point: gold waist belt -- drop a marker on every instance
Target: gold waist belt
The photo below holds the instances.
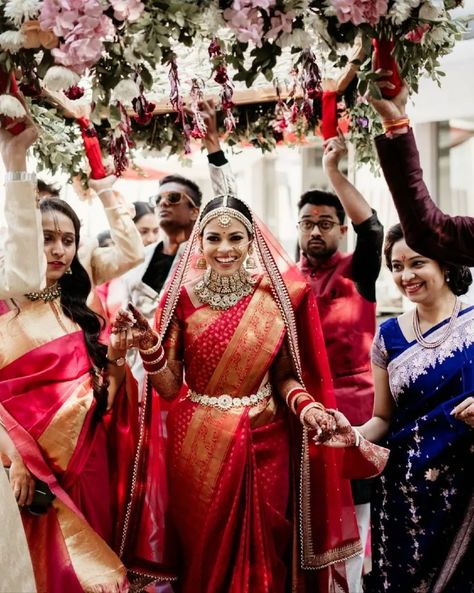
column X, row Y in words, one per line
column 226, row 402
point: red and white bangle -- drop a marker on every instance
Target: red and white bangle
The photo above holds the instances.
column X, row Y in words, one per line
column 293, row 395
column 157, row 371
column 306, row 405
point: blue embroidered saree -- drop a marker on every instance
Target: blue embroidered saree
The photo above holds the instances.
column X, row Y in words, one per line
column 423, row 507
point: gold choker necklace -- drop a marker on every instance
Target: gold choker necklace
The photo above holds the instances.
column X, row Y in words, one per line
column 48, row 294
column 222, row 292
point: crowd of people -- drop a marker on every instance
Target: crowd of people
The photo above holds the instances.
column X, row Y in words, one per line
column 183, row 408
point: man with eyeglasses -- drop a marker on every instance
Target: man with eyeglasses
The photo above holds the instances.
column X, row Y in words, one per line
column 344, row 285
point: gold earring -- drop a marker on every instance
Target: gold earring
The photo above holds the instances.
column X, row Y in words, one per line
column 68, row 271
column 201, row 263
column 250, row 264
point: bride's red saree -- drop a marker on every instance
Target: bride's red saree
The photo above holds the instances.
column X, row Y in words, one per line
column 254, row 506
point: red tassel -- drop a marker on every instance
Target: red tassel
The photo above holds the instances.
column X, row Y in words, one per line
column 8, row 80
column 384, row 59
column 329, row 122
column 92, row 148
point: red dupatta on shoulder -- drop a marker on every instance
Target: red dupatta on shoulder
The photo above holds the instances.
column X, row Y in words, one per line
column 327, row 530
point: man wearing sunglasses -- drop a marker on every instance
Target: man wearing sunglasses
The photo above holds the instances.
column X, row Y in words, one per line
column 344, row 286
column 177, row 204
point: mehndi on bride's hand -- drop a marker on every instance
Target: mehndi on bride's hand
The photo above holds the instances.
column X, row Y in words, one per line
column 345, row 435
column 144, row 336
column 319, row 420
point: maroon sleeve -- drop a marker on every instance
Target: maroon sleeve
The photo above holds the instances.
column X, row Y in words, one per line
column 427, row 229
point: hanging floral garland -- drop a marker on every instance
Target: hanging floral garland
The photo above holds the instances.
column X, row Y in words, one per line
column 118, row 52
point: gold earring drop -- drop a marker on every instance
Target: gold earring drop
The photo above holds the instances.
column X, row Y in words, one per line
column 250, row 264
column 201, row 263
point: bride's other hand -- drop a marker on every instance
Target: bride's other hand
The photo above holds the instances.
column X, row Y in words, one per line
column 320, row 421
column 344, row 435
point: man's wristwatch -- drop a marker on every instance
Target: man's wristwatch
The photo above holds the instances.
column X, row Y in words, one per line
column 118, row 362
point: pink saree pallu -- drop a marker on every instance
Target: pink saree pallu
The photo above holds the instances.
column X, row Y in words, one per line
column 90, row 464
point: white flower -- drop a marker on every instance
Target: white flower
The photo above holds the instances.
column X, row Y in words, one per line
column 297, row 38
column 11, row 41
column 58, row 78
column 437, row 35
column 11, row 107
column 18, row 11
column 431, row 12
column 432, row 474
column 125, row 91
column 399, row 12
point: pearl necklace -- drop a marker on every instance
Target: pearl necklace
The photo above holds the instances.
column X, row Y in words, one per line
column 222, row 292
column 449, row 328
column 48, row 294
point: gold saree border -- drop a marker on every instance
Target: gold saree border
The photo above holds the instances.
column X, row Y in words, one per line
column 36, row 325
column 261, row 325
column 309, row 559
column 60, row 438
column 209, row 437
column 97, row 567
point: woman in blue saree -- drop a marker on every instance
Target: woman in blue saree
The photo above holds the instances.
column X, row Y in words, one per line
column 423, row 506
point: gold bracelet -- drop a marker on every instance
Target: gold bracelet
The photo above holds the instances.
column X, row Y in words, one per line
column 154, row 348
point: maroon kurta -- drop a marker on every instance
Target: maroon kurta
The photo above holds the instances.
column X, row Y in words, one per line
column 427, row 229
column 348, row 322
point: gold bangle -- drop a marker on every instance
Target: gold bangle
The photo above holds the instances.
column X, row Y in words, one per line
column 154, row 348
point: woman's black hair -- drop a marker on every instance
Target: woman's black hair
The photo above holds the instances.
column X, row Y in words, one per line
column 458, row 278
column 232, row 202
column 75, row 288
column 141, row 210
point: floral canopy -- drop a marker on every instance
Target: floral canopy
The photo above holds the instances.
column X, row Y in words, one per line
column 129, row 66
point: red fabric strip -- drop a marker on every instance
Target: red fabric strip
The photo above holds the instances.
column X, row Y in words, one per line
column 329, row 123
column 384, row 60
column 92, row 148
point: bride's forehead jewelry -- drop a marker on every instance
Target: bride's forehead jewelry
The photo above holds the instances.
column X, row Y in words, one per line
column 224, row 215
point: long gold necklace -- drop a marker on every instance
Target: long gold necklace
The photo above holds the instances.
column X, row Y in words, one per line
column 48, row 294
column 449, row 328
column 221, row 292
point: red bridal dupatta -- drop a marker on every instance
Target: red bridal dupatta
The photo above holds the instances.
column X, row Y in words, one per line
column 227, row 484
column 94, row 467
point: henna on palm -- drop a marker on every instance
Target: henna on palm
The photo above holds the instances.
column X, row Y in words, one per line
column 147, row 338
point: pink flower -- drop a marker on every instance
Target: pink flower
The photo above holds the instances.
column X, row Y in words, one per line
column 127, row 10
column 83, row 27
column 418, row 34
column 360, row 11
column 249, row 4
column 247, row 24
column 281, row 23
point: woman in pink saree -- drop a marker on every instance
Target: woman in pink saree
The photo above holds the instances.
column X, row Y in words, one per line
column 69, row 418
column 255, row 505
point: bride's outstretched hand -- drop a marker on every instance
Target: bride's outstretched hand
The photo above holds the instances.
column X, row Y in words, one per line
column 144, row 336
column 344, row 435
